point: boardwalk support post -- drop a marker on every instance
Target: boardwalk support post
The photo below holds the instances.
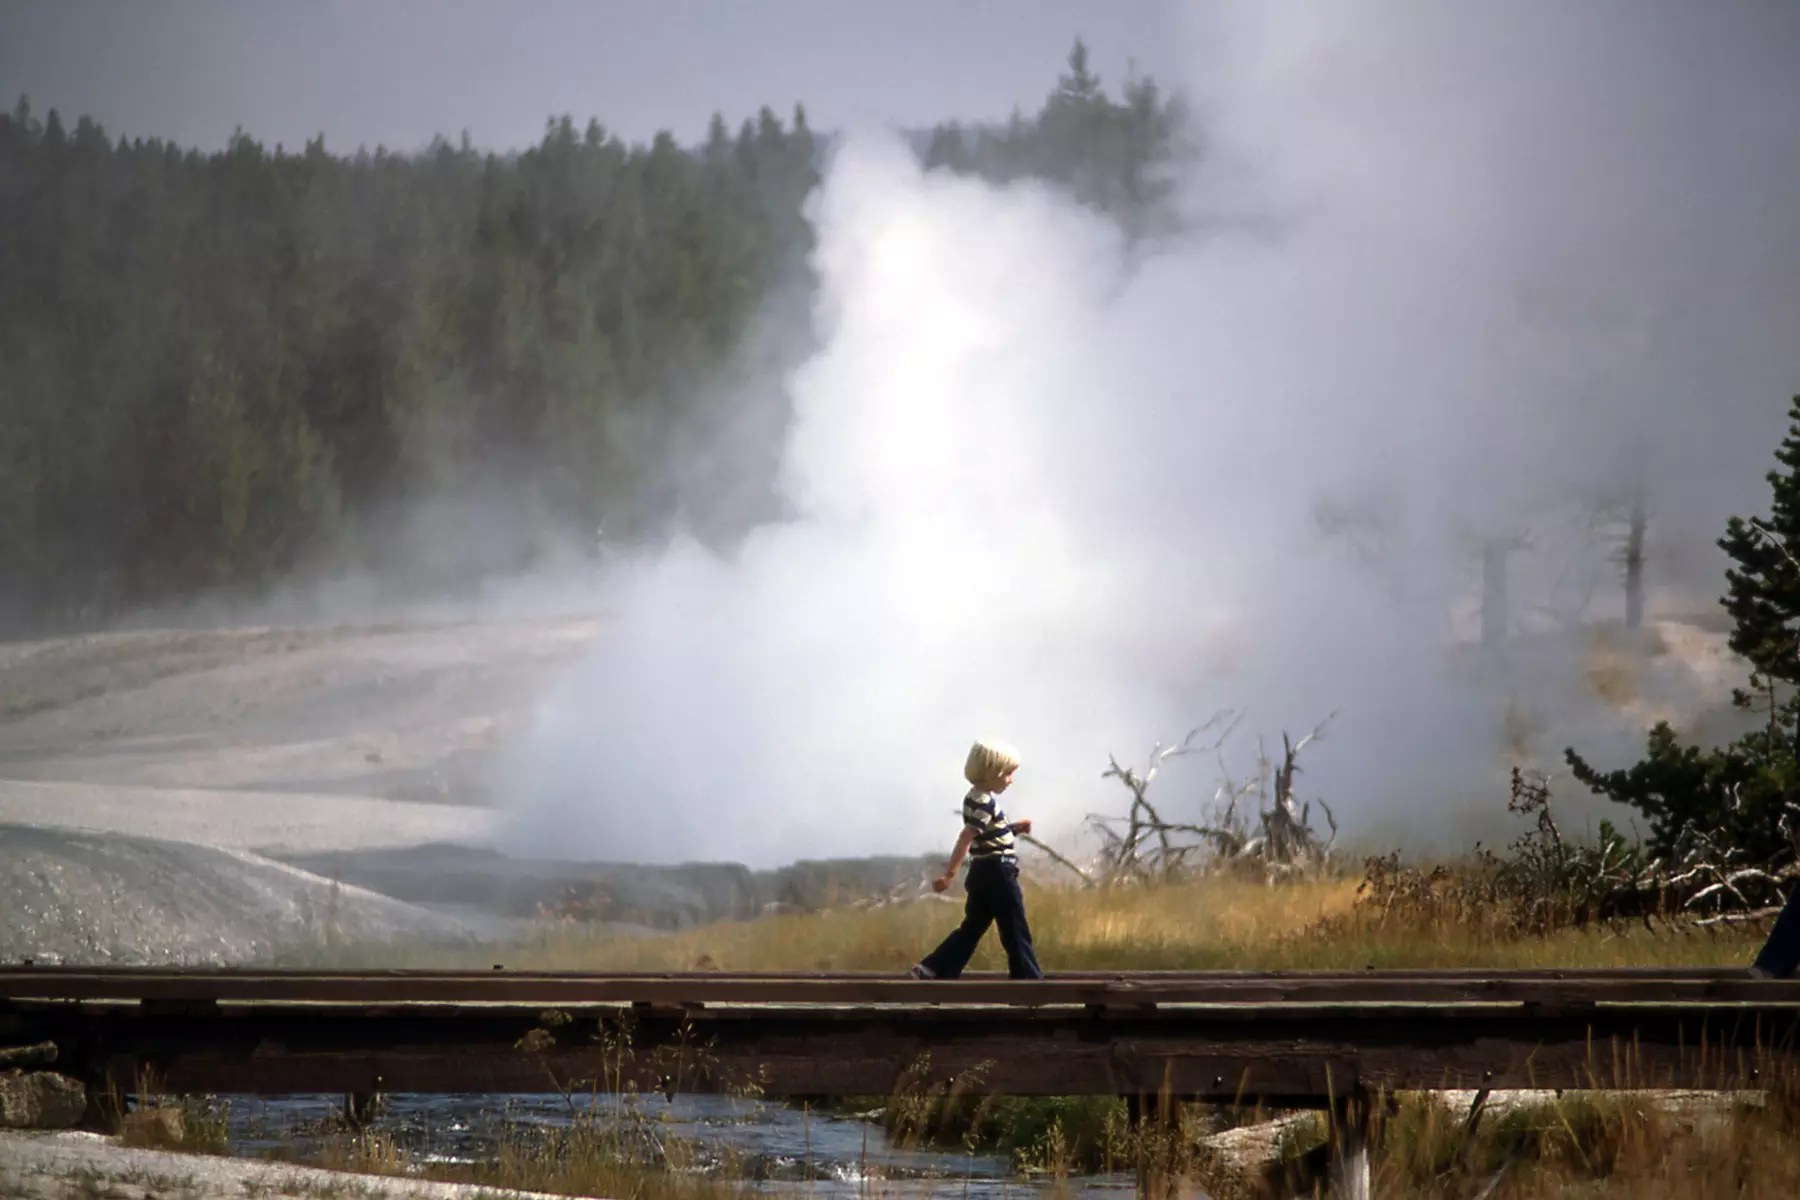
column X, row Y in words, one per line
column 1349, row 1154
column 360, row 1109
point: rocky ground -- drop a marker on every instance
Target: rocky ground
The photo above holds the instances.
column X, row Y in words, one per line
column 87, row 1166
column 151, row 782
column 183, row 796
column 396, row 713
column 463, row 878
column 74, row 897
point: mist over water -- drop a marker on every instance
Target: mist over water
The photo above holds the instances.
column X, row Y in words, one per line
column 1452, row 273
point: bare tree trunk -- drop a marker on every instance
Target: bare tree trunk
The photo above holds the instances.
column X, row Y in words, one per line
column 1634, row 568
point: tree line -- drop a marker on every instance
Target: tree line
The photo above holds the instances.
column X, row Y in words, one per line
column 227, row 370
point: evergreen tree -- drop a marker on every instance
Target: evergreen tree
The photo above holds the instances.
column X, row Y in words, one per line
column 1741, row 788
column 228, row 370
column 1112, row 155
column 1763, row 595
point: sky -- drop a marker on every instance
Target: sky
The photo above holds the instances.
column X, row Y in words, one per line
column 399, row 72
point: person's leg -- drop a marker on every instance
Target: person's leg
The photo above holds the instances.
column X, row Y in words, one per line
column 954, row 952
column 1780, row 954
column 1015, row 930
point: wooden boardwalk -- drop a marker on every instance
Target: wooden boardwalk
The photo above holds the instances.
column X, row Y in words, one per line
column 1279, row 1038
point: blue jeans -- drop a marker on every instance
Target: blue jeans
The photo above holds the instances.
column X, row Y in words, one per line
column 994, row 899
column 1781, row 952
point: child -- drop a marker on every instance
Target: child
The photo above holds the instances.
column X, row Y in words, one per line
column 993, row 882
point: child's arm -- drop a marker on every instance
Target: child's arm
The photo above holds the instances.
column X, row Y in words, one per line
column 943, row 882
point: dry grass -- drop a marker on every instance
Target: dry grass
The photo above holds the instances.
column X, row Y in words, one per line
column 1598, row 1146
column 1217, row 923
column 188, row 1124
column 1580, row 1146
column 1604, row 1146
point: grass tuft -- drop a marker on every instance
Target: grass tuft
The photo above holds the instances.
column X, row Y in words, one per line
column 1594, row 1145
column 1214, row 923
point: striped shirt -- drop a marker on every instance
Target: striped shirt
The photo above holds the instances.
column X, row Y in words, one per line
column 993, row 836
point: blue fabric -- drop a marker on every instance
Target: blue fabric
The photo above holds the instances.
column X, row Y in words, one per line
column 1780, row 954
column 994, row 899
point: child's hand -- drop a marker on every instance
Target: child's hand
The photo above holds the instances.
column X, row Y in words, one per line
column 941, row 884
column 1022, row 826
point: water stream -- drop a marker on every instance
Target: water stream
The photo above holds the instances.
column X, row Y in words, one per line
column 772, row 1145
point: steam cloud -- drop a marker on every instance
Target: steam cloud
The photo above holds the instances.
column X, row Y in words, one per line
column 1453, row 270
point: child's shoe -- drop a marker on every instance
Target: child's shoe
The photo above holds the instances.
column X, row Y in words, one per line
column 921, row 971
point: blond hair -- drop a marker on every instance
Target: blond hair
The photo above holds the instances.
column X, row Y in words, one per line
column 988, row 761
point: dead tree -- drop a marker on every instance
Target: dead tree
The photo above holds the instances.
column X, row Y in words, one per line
column 1060, row 860
column 1144, row 846
column 1132, row 854
column 1287, row 825
column 1633, row 556
column 1286, row 842
column 1551, row 882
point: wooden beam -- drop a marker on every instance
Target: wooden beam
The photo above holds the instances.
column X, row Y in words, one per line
column 12, row 975
column 1276, row 1054
column 1558, row 991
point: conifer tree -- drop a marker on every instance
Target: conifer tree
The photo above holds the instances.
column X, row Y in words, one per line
column 1742, row 788
column 235, row 368
column 1763, row 595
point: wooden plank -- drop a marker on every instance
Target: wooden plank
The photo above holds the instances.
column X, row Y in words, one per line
column 833, row 1014
column 1123, row 992
column 22, row 973
column 1184, row 973
column 1218, row 1055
